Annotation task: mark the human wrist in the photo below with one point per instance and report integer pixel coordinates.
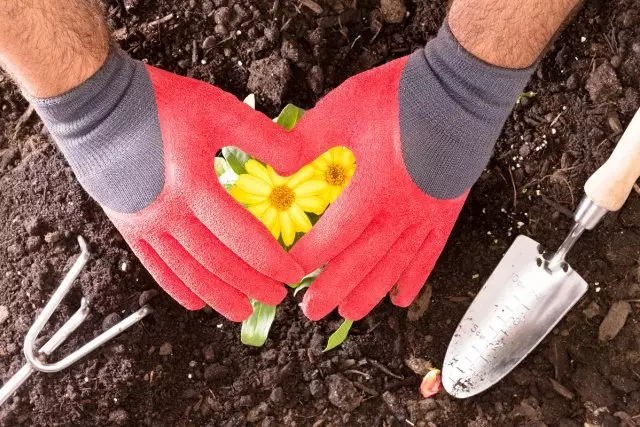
(508, 34)
(50, 48)
(453, 106)
(108, 130)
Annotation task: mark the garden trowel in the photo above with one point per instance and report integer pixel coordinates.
(529, 291)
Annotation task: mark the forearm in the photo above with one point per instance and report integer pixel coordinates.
(50, 47)
(508, 33)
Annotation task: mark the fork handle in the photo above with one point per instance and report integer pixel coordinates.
(611, 184)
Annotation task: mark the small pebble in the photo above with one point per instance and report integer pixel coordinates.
(165, 349)
(110, 320)
(147, 296)
(4, 314)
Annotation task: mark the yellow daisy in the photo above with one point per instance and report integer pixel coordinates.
(335, 167)
(280, 203)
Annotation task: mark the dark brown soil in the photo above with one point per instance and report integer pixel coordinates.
(585, 85)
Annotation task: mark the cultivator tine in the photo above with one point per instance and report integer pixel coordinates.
(36, 360)
(54, 342)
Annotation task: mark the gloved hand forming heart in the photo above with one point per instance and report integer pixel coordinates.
(142, 142)
(422, 129)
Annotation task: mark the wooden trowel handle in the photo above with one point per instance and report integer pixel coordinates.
(611, 184)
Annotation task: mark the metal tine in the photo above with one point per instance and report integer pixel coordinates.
(54, 342)
(29, 350)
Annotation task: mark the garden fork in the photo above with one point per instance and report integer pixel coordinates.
(36, 360)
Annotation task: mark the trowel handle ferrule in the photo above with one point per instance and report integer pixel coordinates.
(611, 184)
(589, 213)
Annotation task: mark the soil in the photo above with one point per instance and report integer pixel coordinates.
(189, 368)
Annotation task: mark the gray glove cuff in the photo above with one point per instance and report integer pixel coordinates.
(452, 109)
(108, 130)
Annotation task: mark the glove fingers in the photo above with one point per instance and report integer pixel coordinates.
(373, 288)
(222, 262)
(281, 149)
(415, 276)
(338, 228)
(165, 277)
(346, 270)
(243, 234)
(222, 297)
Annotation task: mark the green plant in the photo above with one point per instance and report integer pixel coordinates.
(228, 168)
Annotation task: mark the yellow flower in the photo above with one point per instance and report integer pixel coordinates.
(280, 203)
(335, 167)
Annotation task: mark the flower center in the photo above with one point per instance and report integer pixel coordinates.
(335, 174)
(282, 197)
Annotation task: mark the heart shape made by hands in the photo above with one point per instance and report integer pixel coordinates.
(287, 206)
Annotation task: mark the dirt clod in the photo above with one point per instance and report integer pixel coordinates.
(394, 405)
(110, 320)
(393, 11)
(119, 417)
(418, 365)
(593, 387)
(603, 84)
(317, 389)
(53, 237)
(147, 296)
(165, 349)
(277, 396)
(342, 393)
(614, 320)
(269, 77)
(258, 412)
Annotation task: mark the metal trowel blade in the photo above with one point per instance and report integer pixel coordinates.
(516, 308)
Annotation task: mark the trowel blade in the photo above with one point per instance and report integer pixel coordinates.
(516, 308)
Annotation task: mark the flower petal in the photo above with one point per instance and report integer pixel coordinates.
(310, 188)
(315, 204)
(287, 228)
(244, 197)
(346, 158)
(276, 179)
(260, 208)
(300, 219)
(328, 156)
(350, 173)
(320, 164)
(270, 220)
(253, 185)
(304, 174)
(256, 169)
(334, 193)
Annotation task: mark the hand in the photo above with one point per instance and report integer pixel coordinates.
(196, 241)
(142, 142)
(422, 129)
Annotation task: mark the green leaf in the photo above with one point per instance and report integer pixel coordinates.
(255, 330)
(306, 281)
(289, 115)
(221, 166)
(236, 158)
(339, 335)
(529, 94)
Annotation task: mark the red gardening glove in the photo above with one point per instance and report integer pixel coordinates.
(198, 243)
(383, 230)
(422, 129)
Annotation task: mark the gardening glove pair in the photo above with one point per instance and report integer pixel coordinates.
(422, 129)
(142, 143)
